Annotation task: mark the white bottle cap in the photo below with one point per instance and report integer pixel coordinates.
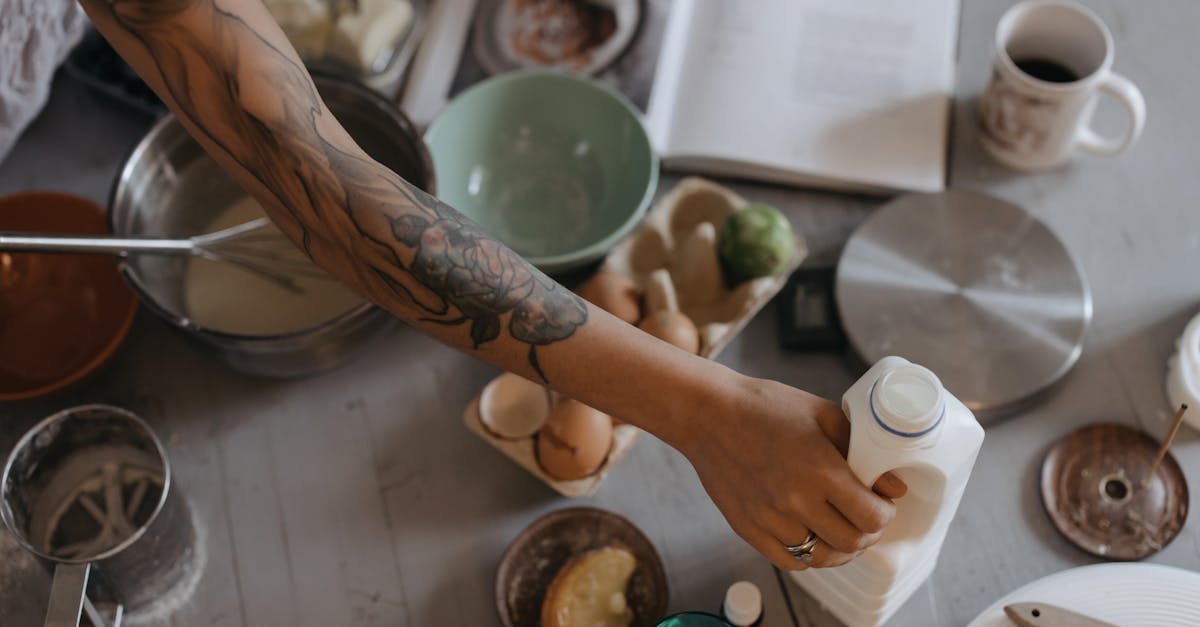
(908, 401)
(743, 603)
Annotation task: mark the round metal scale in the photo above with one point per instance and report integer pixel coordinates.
(969, 286)
(1100, 494)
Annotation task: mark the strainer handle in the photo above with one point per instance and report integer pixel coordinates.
(67, 594)
(68, 599)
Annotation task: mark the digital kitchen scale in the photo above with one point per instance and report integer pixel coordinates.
(970, 286)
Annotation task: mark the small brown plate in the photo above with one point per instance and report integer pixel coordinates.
(544, 547)
(1099, 493)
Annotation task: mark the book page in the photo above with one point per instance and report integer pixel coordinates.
(668, 74)
(855, 91)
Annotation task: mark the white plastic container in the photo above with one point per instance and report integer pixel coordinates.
(902, 420)
(1183, 373)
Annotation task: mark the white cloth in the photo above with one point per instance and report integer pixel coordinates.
(35, 37)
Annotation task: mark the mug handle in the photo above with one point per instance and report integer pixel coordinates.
(1129, 95)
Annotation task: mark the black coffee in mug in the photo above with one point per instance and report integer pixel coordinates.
(1052, 59)
(1046, 70)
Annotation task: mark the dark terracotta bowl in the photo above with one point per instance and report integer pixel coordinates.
(544, 547)
(62, 316)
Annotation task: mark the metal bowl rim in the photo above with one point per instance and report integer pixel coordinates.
(170, 124)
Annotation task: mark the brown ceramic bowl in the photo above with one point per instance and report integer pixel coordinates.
(62, 316)
(544, 547)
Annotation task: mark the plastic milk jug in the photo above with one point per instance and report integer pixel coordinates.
(902, 420)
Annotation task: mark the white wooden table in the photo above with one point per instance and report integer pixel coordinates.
(357, 497)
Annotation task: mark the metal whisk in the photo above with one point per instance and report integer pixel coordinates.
(256, 246)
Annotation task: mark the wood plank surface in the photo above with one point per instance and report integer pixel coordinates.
(358, 498)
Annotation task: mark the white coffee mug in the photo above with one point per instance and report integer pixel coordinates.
(1053, 59)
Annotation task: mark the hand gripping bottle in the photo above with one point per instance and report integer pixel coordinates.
(901, 420)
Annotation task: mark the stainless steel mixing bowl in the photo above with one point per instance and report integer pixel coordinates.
(169, 187)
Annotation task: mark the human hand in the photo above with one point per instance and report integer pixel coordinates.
(773, 460)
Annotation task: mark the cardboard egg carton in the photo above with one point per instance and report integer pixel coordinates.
(678, 235)
(522, 451)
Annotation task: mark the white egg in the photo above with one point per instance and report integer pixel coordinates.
(512, 407)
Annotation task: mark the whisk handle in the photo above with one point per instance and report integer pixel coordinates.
(34, 243)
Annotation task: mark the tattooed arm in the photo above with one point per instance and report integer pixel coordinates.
(768, 454)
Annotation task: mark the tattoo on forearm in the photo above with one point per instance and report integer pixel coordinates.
(408, 251)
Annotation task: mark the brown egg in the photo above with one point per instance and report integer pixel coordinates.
(574, 442)
(674, 328)
(615, 293)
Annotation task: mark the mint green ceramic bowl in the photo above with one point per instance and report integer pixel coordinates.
(558, 168)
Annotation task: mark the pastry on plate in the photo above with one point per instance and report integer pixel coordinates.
(589, 591)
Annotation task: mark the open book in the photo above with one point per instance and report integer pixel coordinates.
(829, 93)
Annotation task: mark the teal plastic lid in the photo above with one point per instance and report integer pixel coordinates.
(693, 619)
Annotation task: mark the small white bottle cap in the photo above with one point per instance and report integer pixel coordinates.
(743, 604)
(908, 400)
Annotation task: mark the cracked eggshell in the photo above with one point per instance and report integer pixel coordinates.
(678, 236)
(512, 407)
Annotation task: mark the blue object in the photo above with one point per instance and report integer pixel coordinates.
(693, 619)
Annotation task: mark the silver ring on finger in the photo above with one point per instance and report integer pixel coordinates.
(804, 550)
